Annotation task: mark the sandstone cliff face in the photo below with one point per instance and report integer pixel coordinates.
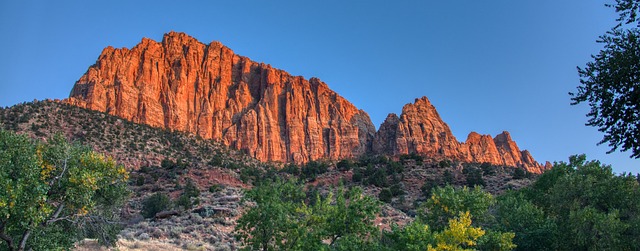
(208, 90)
(419, 129)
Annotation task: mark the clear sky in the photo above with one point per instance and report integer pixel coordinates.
(487, 66)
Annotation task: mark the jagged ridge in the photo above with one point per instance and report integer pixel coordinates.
(183, 84)
(419, 129)
(208, 90)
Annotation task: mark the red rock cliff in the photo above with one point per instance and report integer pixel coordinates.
(419, 129)
(183, 84)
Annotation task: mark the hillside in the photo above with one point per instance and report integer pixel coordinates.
(165, 161)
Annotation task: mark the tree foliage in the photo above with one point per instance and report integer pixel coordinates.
(580, 205)
(610, 84)
(54, 193)
(281, 220)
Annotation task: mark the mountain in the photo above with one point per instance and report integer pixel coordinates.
(185, 85)
(206, 89)
(419, 129)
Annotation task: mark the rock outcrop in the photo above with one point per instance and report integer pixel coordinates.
(206, 89)
(185, 85)
(419, 129)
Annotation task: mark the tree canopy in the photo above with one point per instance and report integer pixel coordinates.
(54, 193)
(610, 84)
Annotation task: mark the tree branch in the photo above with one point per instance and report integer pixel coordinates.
(6, 238)
(25, 237)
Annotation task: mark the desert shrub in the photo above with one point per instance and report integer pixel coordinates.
(345, 165)
(474, 177)
(154, 204)
(385, 195)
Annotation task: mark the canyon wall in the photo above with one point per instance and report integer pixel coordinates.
(206, 89)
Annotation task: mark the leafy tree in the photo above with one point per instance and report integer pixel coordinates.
(533, 230)
(580, 205)
(272, 222)
(344, 221)
(611, 82)
(448, 202)
(281, 220)
(54, 193)
(415, 236)
(458, 234)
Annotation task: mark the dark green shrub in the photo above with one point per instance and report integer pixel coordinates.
(140, 180)
(314, 168)
(345, 165)
(444, 163)
(519, 173)
(154, 204)
(447, 177)
(357, 175)
(474, 177)
(385, 195)
(215, 188)
(216, 160)
(378, 178)
(396, 190)
(291, 168)
(428, 186)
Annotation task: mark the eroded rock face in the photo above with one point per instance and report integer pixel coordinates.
(206, 89)
(183, 84)
(419, 129)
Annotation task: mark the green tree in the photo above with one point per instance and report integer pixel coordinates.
(347, 220)
(272, 224)
(611, 82)
(55, 193)
(533, 230)
(281, 220)
(448, 202)
(414, 236)
(580, 205)
(458, 235)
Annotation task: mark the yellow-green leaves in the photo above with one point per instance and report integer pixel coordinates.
(458, 234)
(46, 184)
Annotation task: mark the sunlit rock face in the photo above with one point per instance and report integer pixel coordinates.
(206, 89)
(183, 84)
(419, 129)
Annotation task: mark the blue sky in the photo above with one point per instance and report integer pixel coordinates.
(487, 66)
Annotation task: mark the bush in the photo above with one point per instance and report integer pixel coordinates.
(312, 169)
(215, 188)
(385, 195)
(291, 168)
(154, 204)
(474, 177)
(140, 180)
(357, 175)
(447, 177)
(345, 165)
(519, 173)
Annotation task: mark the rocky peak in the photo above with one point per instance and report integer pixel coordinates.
(183, 84)
(206, 89)
(419, 129)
